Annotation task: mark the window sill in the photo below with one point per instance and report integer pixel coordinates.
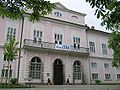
(108, 80)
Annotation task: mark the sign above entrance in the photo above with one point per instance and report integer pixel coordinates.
(63, 47)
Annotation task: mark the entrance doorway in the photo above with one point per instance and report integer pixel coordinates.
(58, 72)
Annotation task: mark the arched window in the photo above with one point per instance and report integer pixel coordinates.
(35, 68)
(77, 70)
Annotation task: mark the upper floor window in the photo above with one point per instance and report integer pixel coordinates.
(76, 42)
(58, 14)
(37, 35)
(92, 46)
(106, 65)
(93, 64)
(104, 48)
(11, 32)
(58, 38)
(118, 67)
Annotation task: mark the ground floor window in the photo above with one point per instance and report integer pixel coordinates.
(94, 76)
(35, 68)
(5, 73)
(118, 76)
(107, 76)
(77, 70)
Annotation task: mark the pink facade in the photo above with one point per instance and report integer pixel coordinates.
(59, 47)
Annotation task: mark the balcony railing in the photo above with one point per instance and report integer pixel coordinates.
(53, 46)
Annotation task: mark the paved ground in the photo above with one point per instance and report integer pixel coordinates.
(72, 87)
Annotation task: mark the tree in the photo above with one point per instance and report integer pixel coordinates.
(114, 43)
(109, 12)
(15, 9)
(10, 53)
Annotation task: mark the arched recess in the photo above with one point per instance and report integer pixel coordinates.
(77, 72)
(58, 72)
(35, 68)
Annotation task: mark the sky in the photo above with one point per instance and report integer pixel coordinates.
(83, 7)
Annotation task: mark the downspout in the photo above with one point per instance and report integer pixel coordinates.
(19, 56)
(87, 28)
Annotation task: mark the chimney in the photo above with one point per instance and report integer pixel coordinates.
(92, 27)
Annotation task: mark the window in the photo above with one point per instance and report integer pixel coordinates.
(94, 76)
(58, 14)
(11, 33)
(5, 73)
(93, 64)
(5, 58)
(118, 67)
(76, 71)
(104, 48)
(106, 65)
(107, 76)
(76, 42)
(118, 76)
(37, 36)
(92, 47)
(35, 68)
(58, 38)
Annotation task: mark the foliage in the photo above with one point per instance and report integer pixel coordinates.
(13, 81)
(10, 49)
(3, 85)
(98, 82)
(15, 9)
(109, 11)
(10, 53)
(114, 43)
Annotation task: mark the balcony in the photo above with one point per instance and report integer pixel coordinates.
(54, 47)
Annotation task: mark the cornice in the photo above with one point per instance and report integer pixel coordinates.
(100, 57)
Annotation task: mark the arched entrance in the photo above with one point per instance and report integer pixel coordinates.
(58, 72)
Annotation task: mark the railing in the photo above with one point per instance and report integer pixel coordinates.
(48, 45)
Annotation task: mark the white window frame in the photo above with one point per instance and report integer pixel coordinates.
(11, 32)
(92, 46)
(58, 38)
(76, 42)
(57, 14)
(94, 65)
(37, 36)
(107, 76)
(104, 48)
(118, 76)
(94, 76)
(106, 66)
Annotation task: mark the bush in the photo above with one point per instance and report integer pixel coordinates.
(4, 85)
(13, 81)
(98, 82)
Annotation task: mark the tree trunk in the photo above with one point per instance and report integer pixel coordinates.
(8, 73)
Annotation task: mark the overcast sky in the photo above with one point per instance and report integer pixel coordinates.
(83, 7)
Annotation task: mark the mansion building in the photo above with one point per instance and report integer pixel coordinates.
(60, 47)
